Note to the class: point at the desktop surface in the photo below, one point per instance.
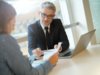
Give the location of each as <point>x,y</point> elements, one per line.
<point>85,63</point>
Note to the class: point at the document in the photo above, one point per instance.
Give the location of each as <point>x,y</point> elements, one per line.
<point>51,52</point>
<point>47,55</point>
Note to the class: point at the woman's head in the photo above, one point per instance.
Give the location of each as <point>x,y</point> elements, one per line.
<point>7,17</point>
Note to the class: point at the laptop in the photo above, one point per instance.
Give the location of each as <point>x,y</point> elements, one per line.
<point>81,45</point>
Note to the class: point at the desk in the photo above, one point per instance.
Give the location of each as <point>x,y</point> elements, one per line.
<point>85,63</point>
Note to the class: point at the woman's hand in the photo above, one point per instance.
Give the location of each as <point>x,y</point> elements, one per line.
<point>53,59</point>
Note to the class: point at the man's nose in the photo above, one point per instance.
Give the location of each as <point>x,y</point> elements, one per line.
<point>45,18</point>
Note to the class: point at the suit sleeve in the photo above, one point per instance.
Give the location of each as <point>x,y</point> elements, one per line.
<point>63,37</point>
<point>31,39</point>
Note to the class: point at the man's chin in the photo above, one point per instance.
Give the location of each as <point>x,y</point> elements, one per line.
<point>46,24</point>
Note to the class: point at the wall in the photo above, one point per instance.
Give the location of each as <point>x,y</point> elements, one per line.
<point>77,14</point>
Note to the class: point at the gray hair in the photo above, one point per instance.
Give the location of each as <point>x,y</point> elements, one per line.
<point>48,5</point>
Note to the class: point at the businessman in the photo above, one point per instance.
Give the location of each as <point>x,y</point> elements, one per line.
<point>47,32</point>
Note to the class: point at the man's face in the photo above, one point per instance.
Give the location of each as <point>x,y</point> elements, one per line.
<point>46,16</point>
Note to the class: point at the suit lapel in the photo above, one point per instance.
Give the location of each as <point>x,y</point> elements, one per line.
<point>41,32</point>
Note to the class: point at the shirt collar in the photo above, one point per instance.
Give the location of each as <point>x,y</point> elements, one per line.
<point>43,26</point>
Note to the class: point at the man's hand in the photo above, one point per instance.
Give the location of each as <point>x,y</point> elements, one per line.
<point>37,52</point>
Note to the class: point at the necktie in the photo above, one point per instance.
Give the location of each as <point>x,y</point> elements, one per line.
<point>47,38</point>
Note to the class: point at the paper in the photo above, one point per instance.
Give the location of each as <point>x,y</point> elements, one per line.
<point>47,55</point>
<point>51,52</point>
<point>59,45</point>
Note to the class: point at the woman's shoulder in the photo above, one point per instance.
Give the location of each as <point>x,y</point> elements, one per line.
<point>8,43</point>
<point>5,37</point>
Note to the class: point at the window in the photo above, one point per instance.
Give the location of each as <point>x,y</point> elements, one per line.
<point>95,11</point>
<point>27,13</point>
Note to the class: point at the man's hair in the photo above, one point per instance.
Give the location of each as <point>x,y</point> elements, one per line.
<point>48,5</point>
<point>7,12</point>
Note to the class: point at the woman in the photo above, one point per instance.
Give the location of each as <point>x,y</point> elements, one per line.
<point>12,62</point>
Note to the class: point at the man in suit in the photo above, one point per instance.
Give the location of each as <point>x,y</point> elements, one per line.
<point>37,34</point>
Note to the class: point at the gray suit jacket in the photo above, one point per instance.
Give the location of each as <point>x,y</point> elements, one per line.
<point>12,62</point>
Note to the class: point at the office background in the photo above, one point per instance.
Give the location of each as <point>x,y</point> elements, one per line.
<point>78,17</point>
